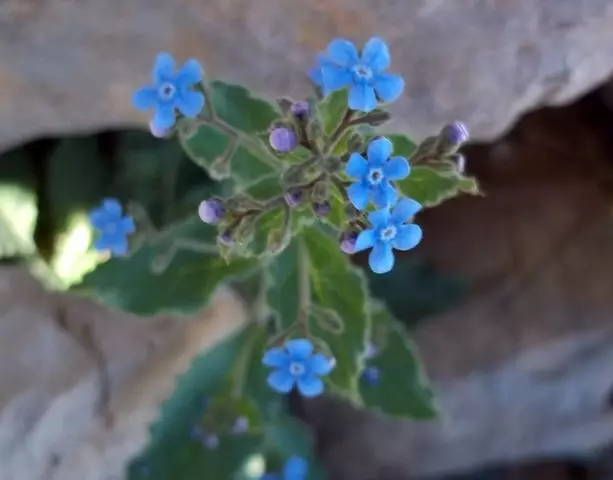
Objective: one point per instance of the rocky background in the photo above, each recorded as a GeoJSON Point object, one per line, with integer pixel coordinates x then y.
{"type": "Point", "coordinates": [522, 367]}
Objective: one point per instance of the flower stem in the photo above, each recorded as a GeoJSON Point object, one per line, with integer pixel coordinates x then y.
{"type": "Point", "coordinates": [339, 130]}
{"type": "Point", "coordinates": [304, 291]}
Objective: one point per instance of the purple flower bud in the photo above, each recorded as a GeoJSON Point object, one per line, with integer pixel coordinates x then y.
{"type": "Point", "coordinates": [211, 441]}
{"type": "Point", "coordinates": [300, 110]}
{"type": "Point", "coordinates": [348, 242]}
{"type": "Point", "coordinates": [227, 238]}
{"type": "Point", "coordinates": [455, 133]}
{"type": "Point", "coordinates": [371, 375]}
{"type": "Point", "coordinates": [293, 197]}
{"type": "Point", "coordinates": [211, 211]}
{"type": "Point", "coordinates": [158, 132]}
{"type": "Point", "coordinates": [322, 209]}
{"type": "Point", "coordinates": [282, 139]}
{"type": "Point", "coordinates": [241, 424]}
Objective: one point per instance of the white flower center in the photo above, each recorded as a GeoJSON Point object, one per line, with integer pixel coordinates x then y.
{"type": "Point", "coordinates": [296, 369]}
{"type": "Point", "coordinates": [166, 91]}
{"type": "Point", "coordinates": [362, 72]}
{"type": "Point", "coordinates": [388, 233]}
{"type": "Point", "coordinates": [375, 176]}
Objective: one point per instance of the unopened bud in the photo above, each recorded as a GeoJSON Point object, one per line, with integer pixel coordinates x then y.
{"type": "Point", "coordinates": [293, 197]}
{"type": "Point", "coordinates": [348, 241]}
{"type": "Point", "coordinates": [283, 139]}
{"type": "Point", "coordinates": [331, 164]}
{"type": "Point", "coordinates": [300, 110]}
{"type": "Point", "coordinates": [227, 237]}
{"type": "Point", "coordinates": [371, 376]}
{"type": "Point", "coordinates": [452, 136]}
{"type": "Point", "coordinates": [322, 209]}
{"type": "Point", "coordinates": [211, 211]}
{"type": "Point", "coordinates": [319, 192]}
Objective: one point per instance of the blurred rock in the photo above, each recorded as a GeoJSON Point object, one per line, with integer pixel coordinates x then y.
{"type": "Point", "coordinates": [68, 65]}
{"type": "Point", "coordinates": [79, 385]}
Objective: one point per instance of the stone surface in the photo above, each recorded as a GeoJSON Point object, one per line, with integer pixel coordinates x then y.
{"type": "Point", "coordinates": [79, 385]}
{"type": "Point", "coordinates": [70, 65]}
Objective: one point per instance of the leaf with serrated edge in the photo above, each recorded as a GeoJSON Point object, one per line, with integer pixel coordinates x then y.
{"type": "Point", "coordinates": [249, 158]}
{"type": "Point", "coordinates": [329, 282]}
{"type": "Point", "coordinates": [171, 452]}
{"type": "Point", "coordinates": [403, 390]}
{"type": "Point", "coordinates": [175, 271]}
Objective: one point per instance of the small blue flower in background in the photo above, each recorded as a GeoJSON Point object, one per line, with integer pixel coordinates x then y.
{"type": "Point", "coordinates": [342, 67]}
{"type": "Point", "coordinates": [170, 90]}
{"type": "Point", "coordinates": [388, 232]}
{"type": "Point", "coordinates": [297, 365]}
{"type": "Point", "coordinates": [112, 226]}
{"type": "Point", "coordinates": [371, 376]}
{"type": "Point", "coordinates": [374, 175]}
{"type": "Point", "coordinates": [295, 468]}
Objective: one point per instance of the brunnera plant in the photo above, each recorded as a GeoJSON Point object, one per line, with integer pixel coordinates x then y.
{"type": "Point", "coordinates": [303, 185]}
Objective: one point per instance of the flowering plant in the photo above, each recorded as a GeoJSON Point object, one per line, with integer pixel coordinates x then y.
{"type": "Point", "coordinates": [303, 185]}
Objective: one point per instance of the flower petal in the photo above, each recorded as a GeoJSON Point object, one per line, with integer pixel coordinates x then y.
{"type": "Point", "coordinates": [127, 225]}
{"type": "Point", "coordinates": [366, 239]}
{"type": "Point", "coordinates": [119, 247]}
{"type": "Point", "coordinates": [163, 68]}
{"type": "Point", "coordinates": [379, 150]}
{"type": "Point", "coordinates": [407, 237]}
{"type": "Point", "coordinates": [388, 86]}
{"type": "Point", "coordinates": [276, 357]}
{"type": "Point", "coordinates": [358, 194]}
{"type": "Point", "coordinates": [190, 73]}
{"type": "Point", "coordinates": [379, 218]}
{"type": "Point", "coordinates": [320, 364]}
{"type": "Point", "coordinates": [405, 209]}
{"type": "Point", "coordinates": [381, 258]}
{"type": "Point", "coordinates": [362, 98]}
{"type": "Point", "coordinates": [299, 348]}
{"type": "Point", "coordinates": [281, 380]}
{"type": "Point", "coordinates": [164, 117]}
{"type": "Point", "coordinates": [343, 52]}
{"type": "Point", "coordinates": [98, 218]}
{"type": "Point", "coordinates": [357, 166]}
{"type": "Point", "coordinates": [296, 468]}
{"type": "Point", "coordinates": [384, 195]}
{"type": "Point", "coordinates": [376, 55]}
{"type": "Point", "coordinates": [101, 244]}
{"type": "Point", "coordinates": [190, 103]}
{"type": "Point", "coordinates": [112, 207]}
{"type": "Point", "coordinates": [310, 385]}
{"type": "Point", "coordinates": [335, 77]}
{"type": "Point", "coordinates": [145, 98]}
{"type": "Point", "coordinates": [396, 169]}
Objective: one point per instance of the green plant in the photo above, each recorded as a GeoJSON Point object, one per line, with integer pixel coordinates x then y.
{"type": "Point", "coordinates": [301, 186]}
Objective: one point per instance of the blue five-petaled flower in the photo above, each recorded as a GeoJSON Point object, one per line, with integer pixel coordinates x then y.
{"type": "Point", "coordinates": [295, 468]}
{"type": "Point", "coordinates": [342, 67]}
{"type": "Point", "coordinates": [170, 90]}
{"type": "Point", "coordinates": [389, 231]}
{"type": "Point", "coordinates": [374, 175]}
{"type": "Point", "coordinates": [113, 227]}
{"type": "Point", "coordinates": [297, 365]}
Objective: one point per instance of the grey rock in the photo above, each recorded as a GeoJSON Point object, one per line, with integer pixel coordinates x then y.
{"type": "Point", "coordinates": [70, 65]}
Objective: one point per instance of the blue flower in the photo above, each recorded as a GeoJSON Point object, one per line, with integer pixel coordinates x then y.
{"type": "Point", "coordinates": [388, 232]}
{"type": "Point", "coordinates": [296, 364]}
{"type": "Point", "coordinates": [342, 67]}
{"type": "Point", "coordinates": [296, 468]}
{"type": "Point", "coordinates": [113, 227]}
{"type": "Point", "coordinates": [374, 175]}
{"type": "Point", "coordinates": [170, 90]}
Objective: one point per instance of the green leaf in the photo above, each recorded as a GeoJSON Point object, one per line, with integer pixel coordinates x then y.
{"type": "Point", "coordinates": [18, 210]}
{"type": "Point", "coordinates": [431, 186]}
{"type": "Point", "coordinates": [229, 147]}
{"type": "Point", "coordinates": [403, 145]}
{"type": "Point", "coordinates": [175, 271]}
{"type": "Point", "coordinates": [332, 109]}
{"type": "Point", "coordinates": [403, 390]}
{"type": "Point", "coordinates": [312, 275]}
{"type": "Point", "coordinates": [172, 451]}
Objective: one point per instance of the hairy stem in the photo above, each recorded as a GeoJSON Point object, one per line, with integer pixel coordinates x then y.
{"type": "Point", "coordinates": [304, 291]}
{"type": "Point", "coordinates": [339, 130]}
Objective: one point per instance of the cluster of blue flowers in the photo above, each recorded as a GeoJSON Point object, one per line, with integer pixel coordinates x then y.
{"type": "Point", "coordinates": [295, 364]}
